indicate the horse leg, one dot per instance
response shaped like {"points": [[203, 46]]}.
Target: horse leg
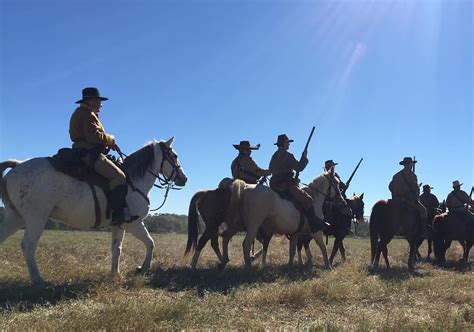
{"points": [[247, 244], [309, 255], [430, 247], [464, 251], [299, 246], [13, 222], [335, 248], [201, 243], [265, 243], [385, 255], [318, 237], [377, 251], [412, 255], [140, 232], [342, 249], [215, 245], [292, 248], [117, 240], [467, 249], [34, 227], [225, 247]]}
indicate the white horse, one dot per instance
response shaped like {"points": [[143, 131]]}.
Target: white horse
{"points": [[257, 206], [33, 191]]}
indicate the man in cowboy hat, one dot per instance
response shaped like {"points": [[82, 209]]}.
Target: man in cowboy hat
{"points": [[328, 164], [458, 201], [89, 137], [404, 187], [430, 202], [282, 165], [243, 167]]}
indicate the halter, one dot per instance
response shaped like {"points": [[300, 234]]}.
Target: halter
{"points": [[166, 182]]}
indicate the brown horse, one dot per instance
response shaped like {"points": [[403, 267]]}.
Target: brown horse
{"points": [[212, 205], [390, 218], [431, 215], [450, 227], [340, 227]]}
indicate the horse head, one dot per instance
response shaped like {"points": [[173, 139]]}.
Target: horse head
{"points": [[324, 187], [169, 167], [357, 206]]}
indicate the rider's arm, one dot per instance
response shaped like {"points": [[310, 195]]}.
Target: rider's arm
{"points": [[94, 131]]}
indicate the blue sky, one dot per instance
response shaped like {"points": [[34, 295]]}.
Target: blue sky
{"points": [[379, 80]]}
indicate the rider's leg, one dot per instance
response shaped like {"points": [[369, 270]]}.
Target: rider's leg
{"points": [[118, 187], [306, 202]]}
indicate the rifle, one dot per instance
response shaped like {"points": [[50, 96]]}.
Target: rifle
{"points": [[470, 194], [352, 175], [414, 163], [305, 150]]}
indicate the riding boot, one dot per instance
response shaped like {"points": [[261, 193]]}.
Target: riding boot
{"points": [[120, 213], [315, 223]]}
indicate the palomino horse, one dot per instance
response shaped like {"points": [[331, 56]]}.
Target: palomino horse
{"points": [[390, 218], [340, 225], [450, 227], [33, 191], [255, 207]]}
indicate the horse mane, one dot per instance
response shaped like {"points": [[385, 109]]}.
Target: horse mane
{"points": [[137, 163]]}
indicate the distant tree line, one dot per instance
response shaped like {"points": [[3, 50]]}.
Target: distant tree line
{"points": [[156, 223]]}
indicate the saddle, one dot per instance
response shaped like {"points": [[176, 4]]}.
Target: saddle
{"points": [[68, 161]]}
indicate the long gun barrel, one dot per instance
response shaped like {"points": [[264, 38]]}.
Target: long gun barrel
{"points": [[414, 163], [306, 148], [470, 194], [353, 173]]}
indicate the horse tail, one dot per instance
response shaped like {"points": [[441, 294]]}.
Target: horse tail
{"points": [[233, 215], [193, 222], [3, 190], [376, 217]]}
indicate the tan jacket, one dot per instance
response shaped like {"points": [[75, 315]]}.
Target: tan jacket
{"points": [[456, 200], [284, 163], [86, 130], [244, 168], [404, 185]]}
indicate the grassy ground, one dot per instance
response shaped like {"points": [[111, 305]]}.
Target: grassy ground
{"points": [[80, 293]]}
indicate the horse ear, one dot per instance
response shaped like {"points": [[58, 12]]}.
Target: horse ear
{"points": [[169, 142], [354, 194], [361, 196]]}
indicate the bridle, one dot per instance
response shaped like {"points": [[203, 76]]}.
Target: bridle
{"points": [[166, 182]]}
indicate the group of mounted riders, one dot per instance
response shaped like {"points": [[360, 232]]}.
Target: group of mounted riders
{"points": [[92, 143]]}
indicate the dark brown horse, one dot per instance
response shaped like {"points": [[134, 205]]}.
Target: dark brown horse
{"points": [[390, 218], [450, 227], [212, 205], [431, 215], [340, 227]]}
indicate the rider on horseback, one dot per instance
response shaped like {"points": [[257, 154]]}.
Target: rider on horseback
{"points": [[91, 141], [429, 201], [458, 201], [243, 167], [282, 165], [404, 188], [328, 164]]}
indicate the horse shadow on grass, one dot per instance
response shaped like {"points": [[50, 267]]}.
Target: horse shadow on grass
{"points": [[213, 280], [395, 274], [24, 297], [456, 266]]}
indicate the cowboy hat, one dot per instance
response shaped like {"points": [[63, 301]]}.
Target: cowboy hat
{"points": [[456, 184], [329, 162], [427, 186], [246, 145], [91, 92], [407, 160], [282, 139]]}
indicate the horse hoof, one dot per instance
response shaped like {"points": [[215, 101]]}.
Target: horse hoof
{"points": [[140, 270], [221, 266]]}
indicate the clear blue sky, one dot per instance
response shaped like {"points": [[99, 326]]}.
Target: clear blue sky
{"points": [[379, 80]]}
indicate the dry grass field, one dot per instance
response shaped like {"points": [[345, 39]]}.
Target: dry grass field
{"points": [[80, 293]]}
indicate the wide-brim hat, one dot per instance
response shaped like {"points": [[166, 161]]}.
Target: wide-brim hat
{"points": [[91, 92], [427, 186], [456, 184], [282, 139], [407, 160], [246, 145], [330, 162]]}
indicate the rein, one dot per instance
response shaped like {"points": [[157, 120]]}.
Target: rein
{"points": [[165, 182]]}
